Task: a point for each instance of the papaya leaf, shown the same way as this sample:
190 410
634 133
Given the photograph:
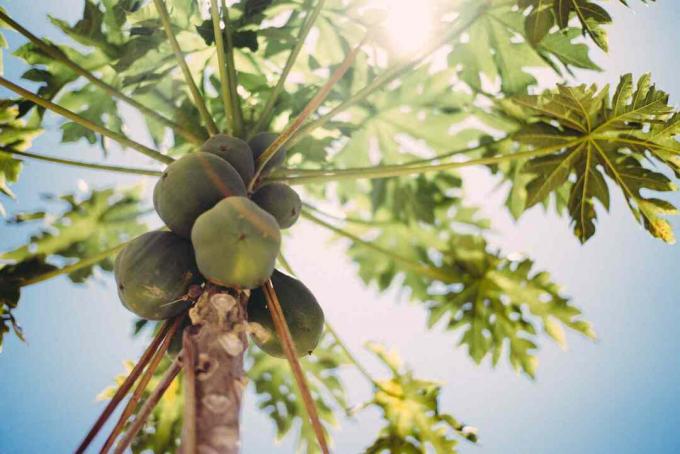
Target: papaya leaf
410 407
12 277
607 140
89 225
590 14
14 135
498 303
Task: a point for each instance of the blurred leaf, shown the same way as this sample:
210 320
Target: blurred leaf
12 277
590 14
497 302
410 406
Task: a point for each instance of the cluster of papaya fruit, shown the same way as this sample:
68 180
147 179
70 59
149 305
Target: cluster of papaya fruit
222 234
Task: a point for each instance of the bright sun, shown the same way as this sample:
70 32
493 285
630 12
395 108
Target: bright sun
408 24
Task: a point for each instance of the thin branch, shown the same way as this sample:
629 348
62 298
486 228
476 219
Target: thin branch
390 75
289 349
148 406
86 165
222 67
268 109
84 122
231 73
179 56
84 263
306 112
389 171
59 55
124 388
143 383
417 267
189 423
351 357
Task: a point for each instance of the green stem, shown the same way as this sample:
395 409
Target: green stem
360 367
120 138
231 72
388 76
314 104
87 165
426 270
224 79
268 110
179 56
60 56
84 263
389 171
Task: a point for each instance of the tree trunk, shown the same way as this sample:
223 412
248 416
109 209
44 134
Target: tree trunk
214 348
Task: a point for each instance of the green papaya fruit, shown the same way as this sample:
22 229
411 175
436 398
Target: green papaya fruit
192 185
153 272
233 150
279 200
301 310
236 243
259 143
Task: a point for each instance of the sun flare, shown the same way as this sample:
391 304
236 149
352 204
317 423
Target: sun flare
408 28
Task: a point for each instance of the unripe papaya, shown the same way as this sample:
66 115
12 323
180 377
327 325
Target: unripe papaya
153 273
301 310
279 200
236 243
190 186
259 143
233 150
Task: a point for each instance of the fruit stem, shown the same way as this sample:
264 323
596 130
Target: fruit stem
268 110
311 107
426 270
390 74
283 333
87 165
179 56
397 170
189 423
84 263
143 383
237 118
149 405
124 387
224 79
118 137
56 53
336 336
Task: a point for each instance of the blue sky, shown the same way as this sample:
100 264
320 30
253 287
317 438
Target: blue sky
619 394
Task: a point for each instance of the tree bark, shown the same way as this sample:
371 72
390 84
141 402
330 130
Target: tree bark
215 343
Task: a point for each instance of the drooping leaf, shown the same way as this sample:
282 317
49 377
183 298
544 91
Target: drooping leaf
591 15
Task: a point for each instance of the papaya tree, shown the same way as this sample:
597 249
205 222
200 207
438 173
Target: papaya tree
263 112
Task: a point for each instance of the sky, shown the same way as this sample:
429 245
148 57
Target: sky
618 394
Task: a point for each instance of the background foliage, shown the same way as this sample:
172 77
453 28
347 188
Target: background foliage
579 141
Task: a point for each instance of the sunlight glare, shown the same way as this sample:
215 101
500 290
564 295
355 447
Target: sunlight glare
409 25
